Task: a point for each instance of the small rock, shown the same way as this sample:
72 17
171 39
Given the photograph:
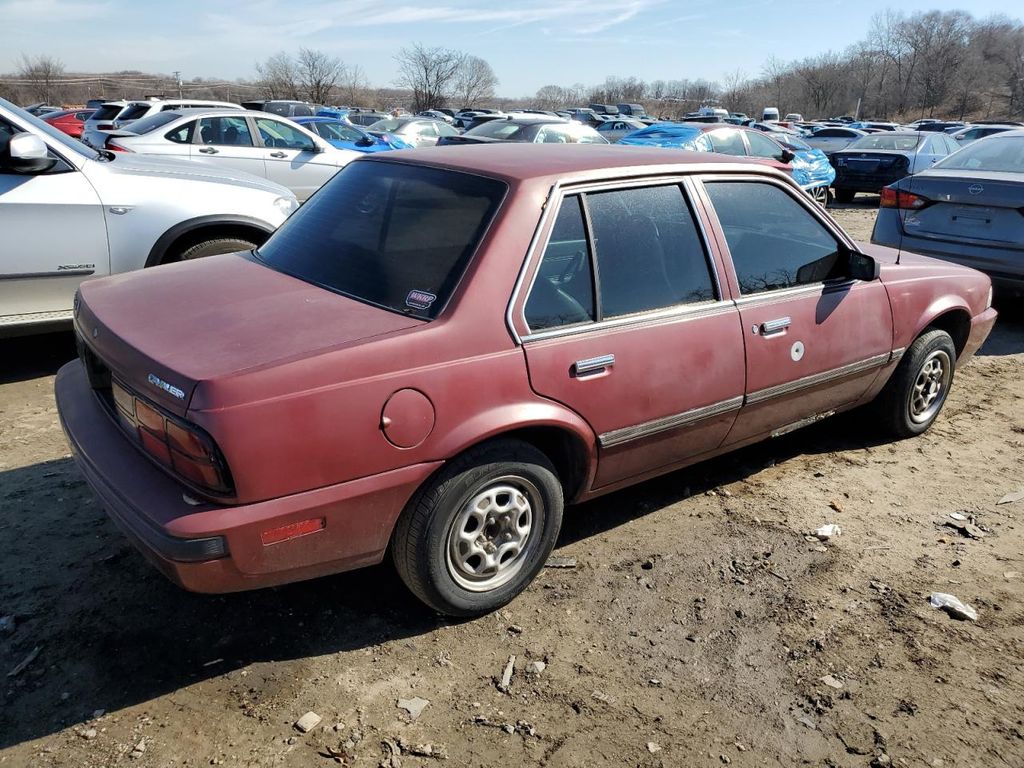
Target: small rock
878 586
725 759
414 706
6 624
648 564
832 682
506 676
508 728
952 605
600 696
98 713
1010 498
560 562
836 506
653 748
1011 575
23 664
726 492
65 696
827 532
515 629
967 529
958 516
654 682
138 750
535 668
88 734
308 722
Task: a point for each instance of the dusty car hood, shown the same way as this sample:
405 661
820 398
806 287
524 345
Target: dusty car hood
196 321
155 167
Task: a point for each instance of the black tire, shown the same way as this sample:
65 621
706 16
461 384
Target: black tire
845 195
423 540
902 395
211 247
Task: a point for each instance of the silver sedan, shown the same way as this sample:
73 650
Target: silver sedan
255 142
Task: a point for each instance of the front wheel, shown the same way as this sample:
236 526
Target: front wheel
914 396
212 247
477 534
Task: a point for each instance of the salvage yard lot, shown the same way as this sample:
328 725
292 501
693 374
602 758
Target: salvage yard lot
695 628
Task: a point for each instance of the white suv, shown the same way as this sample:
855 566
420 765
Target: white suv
117 114
69 213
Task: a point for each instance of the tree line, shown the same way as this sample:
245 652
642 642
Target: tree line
934 64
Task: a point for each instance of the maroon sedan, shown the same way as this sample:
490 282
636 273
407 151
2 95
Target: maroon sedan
443 348
70 121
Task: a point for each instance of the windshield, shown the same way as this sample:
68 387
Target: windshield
996 153
387 126
388 234
151 123
903 141
52 133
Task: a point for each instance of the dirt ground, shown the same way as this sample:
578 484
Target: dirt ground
699 626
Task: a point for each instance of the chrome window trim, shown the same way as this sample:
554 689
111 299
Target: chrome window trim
780 390
554 195
785 294
641 319
648 428
662 314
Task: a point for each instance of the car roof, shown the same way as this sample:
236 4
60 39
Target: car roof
517 162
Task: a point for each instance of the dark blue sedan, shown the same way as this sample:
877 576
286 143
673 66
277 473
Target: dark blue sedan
343 135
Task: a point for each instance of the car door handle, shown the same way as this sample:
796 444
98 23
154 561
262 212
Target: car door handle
278 154
208 151
593 364
778 325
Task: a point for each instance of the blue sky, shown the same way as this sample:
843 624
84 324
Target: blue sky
529 43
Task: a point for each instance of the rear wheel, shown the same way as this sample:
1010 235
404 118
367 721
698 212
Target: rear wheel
211 247
914 396
845 195
477 534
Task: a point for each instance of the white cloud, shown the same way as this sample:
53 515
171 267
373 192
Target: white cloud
51 11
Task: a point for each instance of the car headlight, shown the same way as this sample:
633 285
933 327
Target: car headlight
286 205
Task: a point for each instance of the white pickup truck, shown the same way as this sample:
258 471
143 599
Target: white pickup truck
69 213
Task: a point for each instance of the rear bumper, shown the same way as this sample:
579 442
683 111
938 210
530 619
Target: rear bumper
1004 266
214 548
865 182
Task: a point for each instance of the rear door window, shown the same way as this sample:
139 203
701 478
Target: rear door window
225 131
563 290
727 142
282 135
107 112
775 242
182 134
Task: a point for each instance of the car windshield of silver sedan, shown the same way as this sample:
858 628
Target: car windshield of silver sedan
395 236
887 141
996 153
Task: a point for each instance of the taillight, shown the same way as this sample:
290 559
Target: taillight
115 147
183 448
896 198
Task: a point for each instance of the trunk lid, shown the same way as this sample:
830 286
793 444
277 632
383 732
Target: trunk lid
162 331
982 208
870 163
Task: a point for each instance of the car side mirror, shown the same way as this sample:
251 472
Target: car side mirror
26 153
787 156
863 267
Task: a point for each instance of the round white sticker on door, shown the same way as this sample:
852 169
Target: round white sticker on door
797 351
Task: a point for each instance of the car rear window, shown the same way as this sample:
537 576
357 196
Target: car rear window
151 123
392 235
134 112
887 141
108 112
997 153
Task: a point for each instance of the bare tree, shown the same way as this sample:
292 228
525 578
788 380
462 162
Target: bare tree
43 74
279 77
318 74
475 82
430 73
354 88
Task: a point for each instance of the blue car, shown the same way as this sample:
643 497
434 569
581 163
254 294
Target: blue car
810 167
342 135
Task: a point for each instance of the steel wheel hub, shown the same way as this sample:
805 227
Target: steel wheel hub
930 386
491 533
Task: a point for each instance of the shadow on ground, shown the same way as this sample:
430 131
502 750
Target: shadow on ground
28 357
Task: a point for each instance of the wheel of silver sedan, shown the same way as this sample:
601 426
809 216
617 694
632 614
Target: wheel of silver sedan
820 195
490 534
930 387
